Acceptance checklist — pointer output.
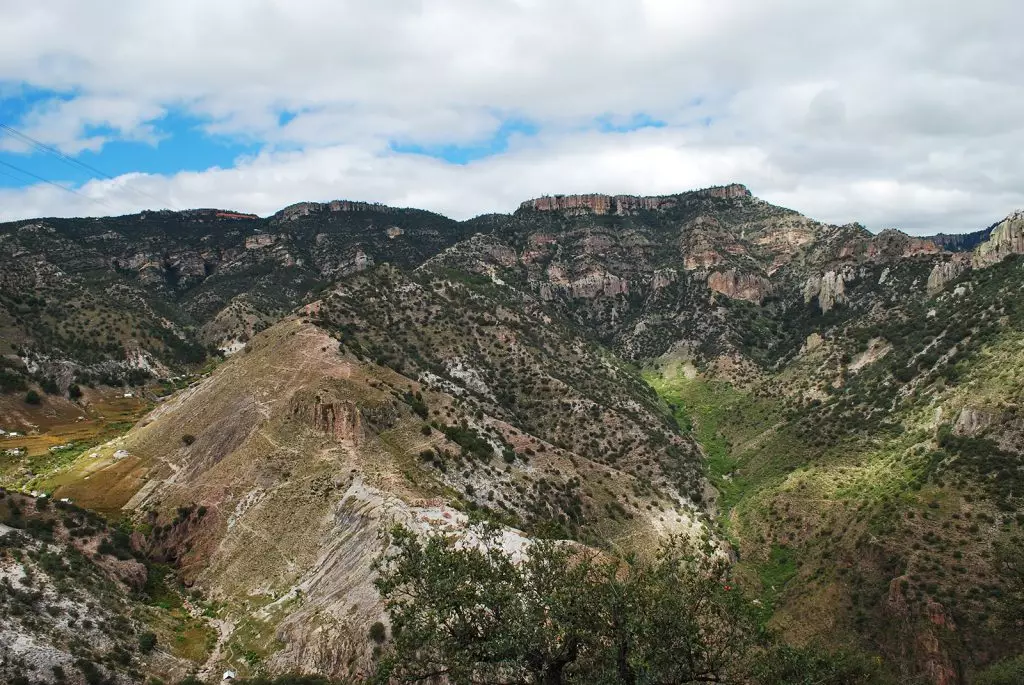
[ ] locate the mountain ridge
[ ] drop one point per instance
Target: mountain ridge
(837, 409)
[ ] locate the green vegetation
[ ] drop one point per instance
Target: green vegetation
(1008, 672)
(723, 420)
(567, 615)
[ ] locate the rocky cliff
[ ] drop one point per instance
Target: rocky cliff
(740, 286)
(625, 204)
(1006, 238)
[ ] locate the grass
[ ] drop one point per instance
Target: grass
(107, 417)
(728, 423)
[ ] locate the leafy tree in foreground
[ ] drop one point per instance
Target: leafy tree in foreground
(470, 613)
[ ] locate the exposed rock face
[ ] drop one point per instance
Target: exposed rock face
(732, 191)
(740, 286)
(302, 209)
(896, 245)
(971, 422)
(599, 283)
(1007, 238)
(188, 266)
(339, 419)
(961, 242)
(944, 272)
(829, 289)
(663, 278)
(596, 204)
(624, 204)
(259, 240)
(785, 237)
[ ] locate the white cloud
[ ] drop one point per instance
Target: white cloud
(903, 113)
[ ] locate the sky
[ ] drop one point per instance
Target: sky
(893, 113)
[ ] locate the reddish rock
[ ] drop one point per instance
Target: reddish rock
(740, 286)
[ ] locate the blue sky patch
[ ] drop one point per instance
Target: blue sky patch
(464, 154)
(182, 145)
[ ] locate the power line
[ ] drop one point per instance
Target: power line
(43, 147)
(54, 184)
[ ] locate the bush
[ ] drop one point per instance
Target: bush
(147, 641)
(187, 439)
(32, 397)
(378, 633)
(786, 665)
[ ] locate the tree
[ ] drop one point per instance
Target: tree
(467, 611)
(147, 641)
(32, 397)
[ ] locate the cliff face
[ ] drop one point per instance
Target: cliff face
(960, 242)
(946, 271)
(621, 205)
(301, 209)
(896, 245)
(829, 289)
(1007, 238)
(740, 286)
(595, 204)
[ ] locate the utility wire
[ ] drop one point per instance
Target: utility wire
(43, 147)
(54, 184)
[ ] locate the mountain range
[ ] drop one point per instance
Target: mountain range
(837, 410)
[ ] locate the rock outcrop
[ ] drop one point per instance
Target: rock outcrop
(339, 419)
(598, 283)
(740, 286)
(944, 272)
(596, 203)
(1007, 238)
(302, 209)
(829, 289)
(972, 422)
(890, 244)
(732, 191)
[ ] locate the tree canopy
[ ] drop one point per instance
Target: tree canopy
(466, 610)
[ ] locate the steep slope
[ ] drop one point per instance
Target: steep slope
(267, 483)
(118, 298)
(854, 395)
(646, 274)
(73, 599)
(872, 486)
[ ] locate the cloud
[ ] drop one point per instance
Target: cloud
(908, 113)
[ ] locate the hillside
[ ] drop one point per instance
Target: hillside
(78, 605)
(837, 410)
(266, 484)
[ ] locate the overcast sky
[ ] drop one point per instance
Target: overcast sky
(894, 113)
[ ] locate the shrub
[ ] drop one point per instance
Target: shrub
(378, 633)
(32, 397)
(187, 439)
(147, 641)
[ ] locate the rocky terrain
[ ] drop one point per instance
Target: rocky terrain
(838, 409)
(74, 599)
